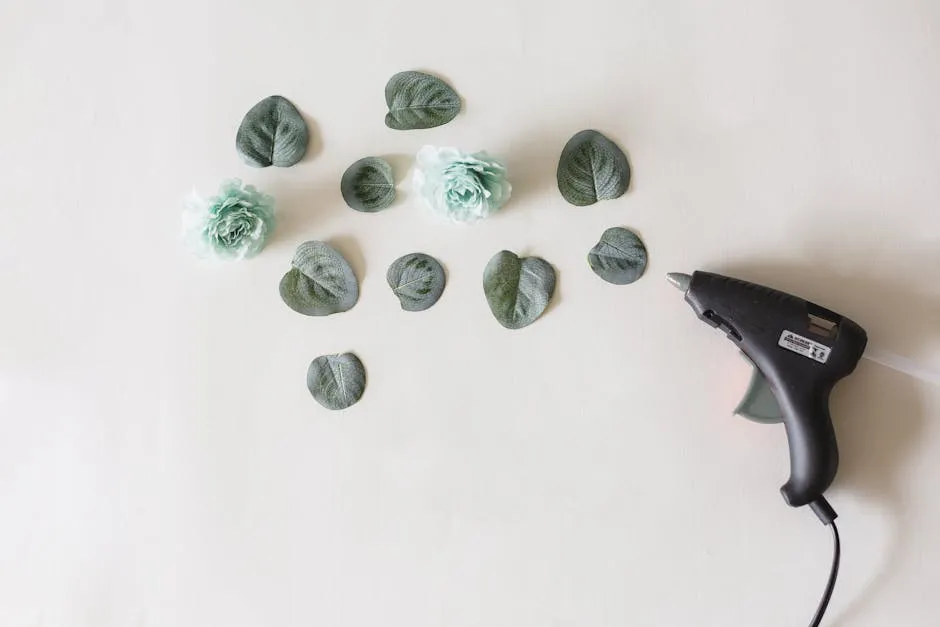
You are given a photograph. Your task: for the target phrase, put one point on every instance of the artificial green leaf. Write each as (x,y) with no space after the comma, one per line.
(592,168)
(417,280)
(336,381)
(320,283)
(419,100)
(368,185)
(518,290)
(620,256)
(272,133)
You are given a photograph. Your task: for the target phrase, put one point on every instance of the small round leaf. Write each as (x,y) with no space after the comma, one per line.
(418,281)
(336,381)
(592,168)
(321,281)
(272,133)
(518,290)
(620,257)
(419,100)
(368,185)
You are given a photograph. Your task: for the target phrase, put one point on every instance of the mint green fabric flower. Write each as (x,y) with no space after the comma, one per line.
(462,187)
(233,225)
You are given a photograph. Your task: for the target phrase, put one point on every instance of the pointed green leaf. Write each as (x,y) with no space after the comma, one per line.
(320,283)
(272,133)
(336,381)
(368,185)
(417,280)
(518,290)
(592,168)
(419,100)
(620,257)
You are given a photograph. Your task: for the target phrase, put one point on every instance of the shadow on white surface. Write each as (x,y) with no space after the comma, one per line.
(879,418)
(315,143)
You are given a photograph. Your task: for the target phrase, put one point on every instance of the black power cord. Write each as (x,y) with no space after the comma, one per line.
(827,515)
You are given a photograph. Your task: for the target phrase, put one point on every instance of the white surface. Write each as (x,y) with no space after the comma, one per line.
(162,463)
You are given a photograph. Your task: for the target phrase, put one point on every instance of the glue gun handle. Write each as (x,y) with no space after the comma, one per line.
(814,454)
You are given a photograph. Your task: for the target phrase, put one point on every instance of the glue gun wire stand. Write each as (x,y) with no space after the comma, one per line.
(799,351)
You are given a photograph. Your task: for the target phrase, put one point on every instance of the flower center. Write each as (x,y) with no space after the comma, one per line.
(232,232)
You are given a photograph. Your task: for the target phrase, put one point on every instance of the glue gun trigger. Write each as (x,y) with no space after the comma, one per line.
(759,403)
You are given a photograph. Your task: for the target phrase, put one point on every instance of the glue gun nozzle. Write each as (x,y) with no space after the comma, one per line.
(679,280)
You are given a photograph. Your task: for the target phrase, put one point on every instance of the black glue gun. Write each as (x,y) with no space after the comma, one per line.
(799,351)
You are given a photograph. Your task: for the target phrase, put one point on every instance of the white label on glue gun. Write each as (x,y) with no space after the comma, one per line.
(804,346)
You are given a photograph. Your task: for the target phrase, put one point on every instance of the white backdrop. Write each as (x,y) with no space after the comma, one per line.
(163,465)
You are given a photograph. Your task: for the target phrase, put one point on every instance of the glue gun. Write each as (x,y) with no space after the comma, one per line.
(799,351)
